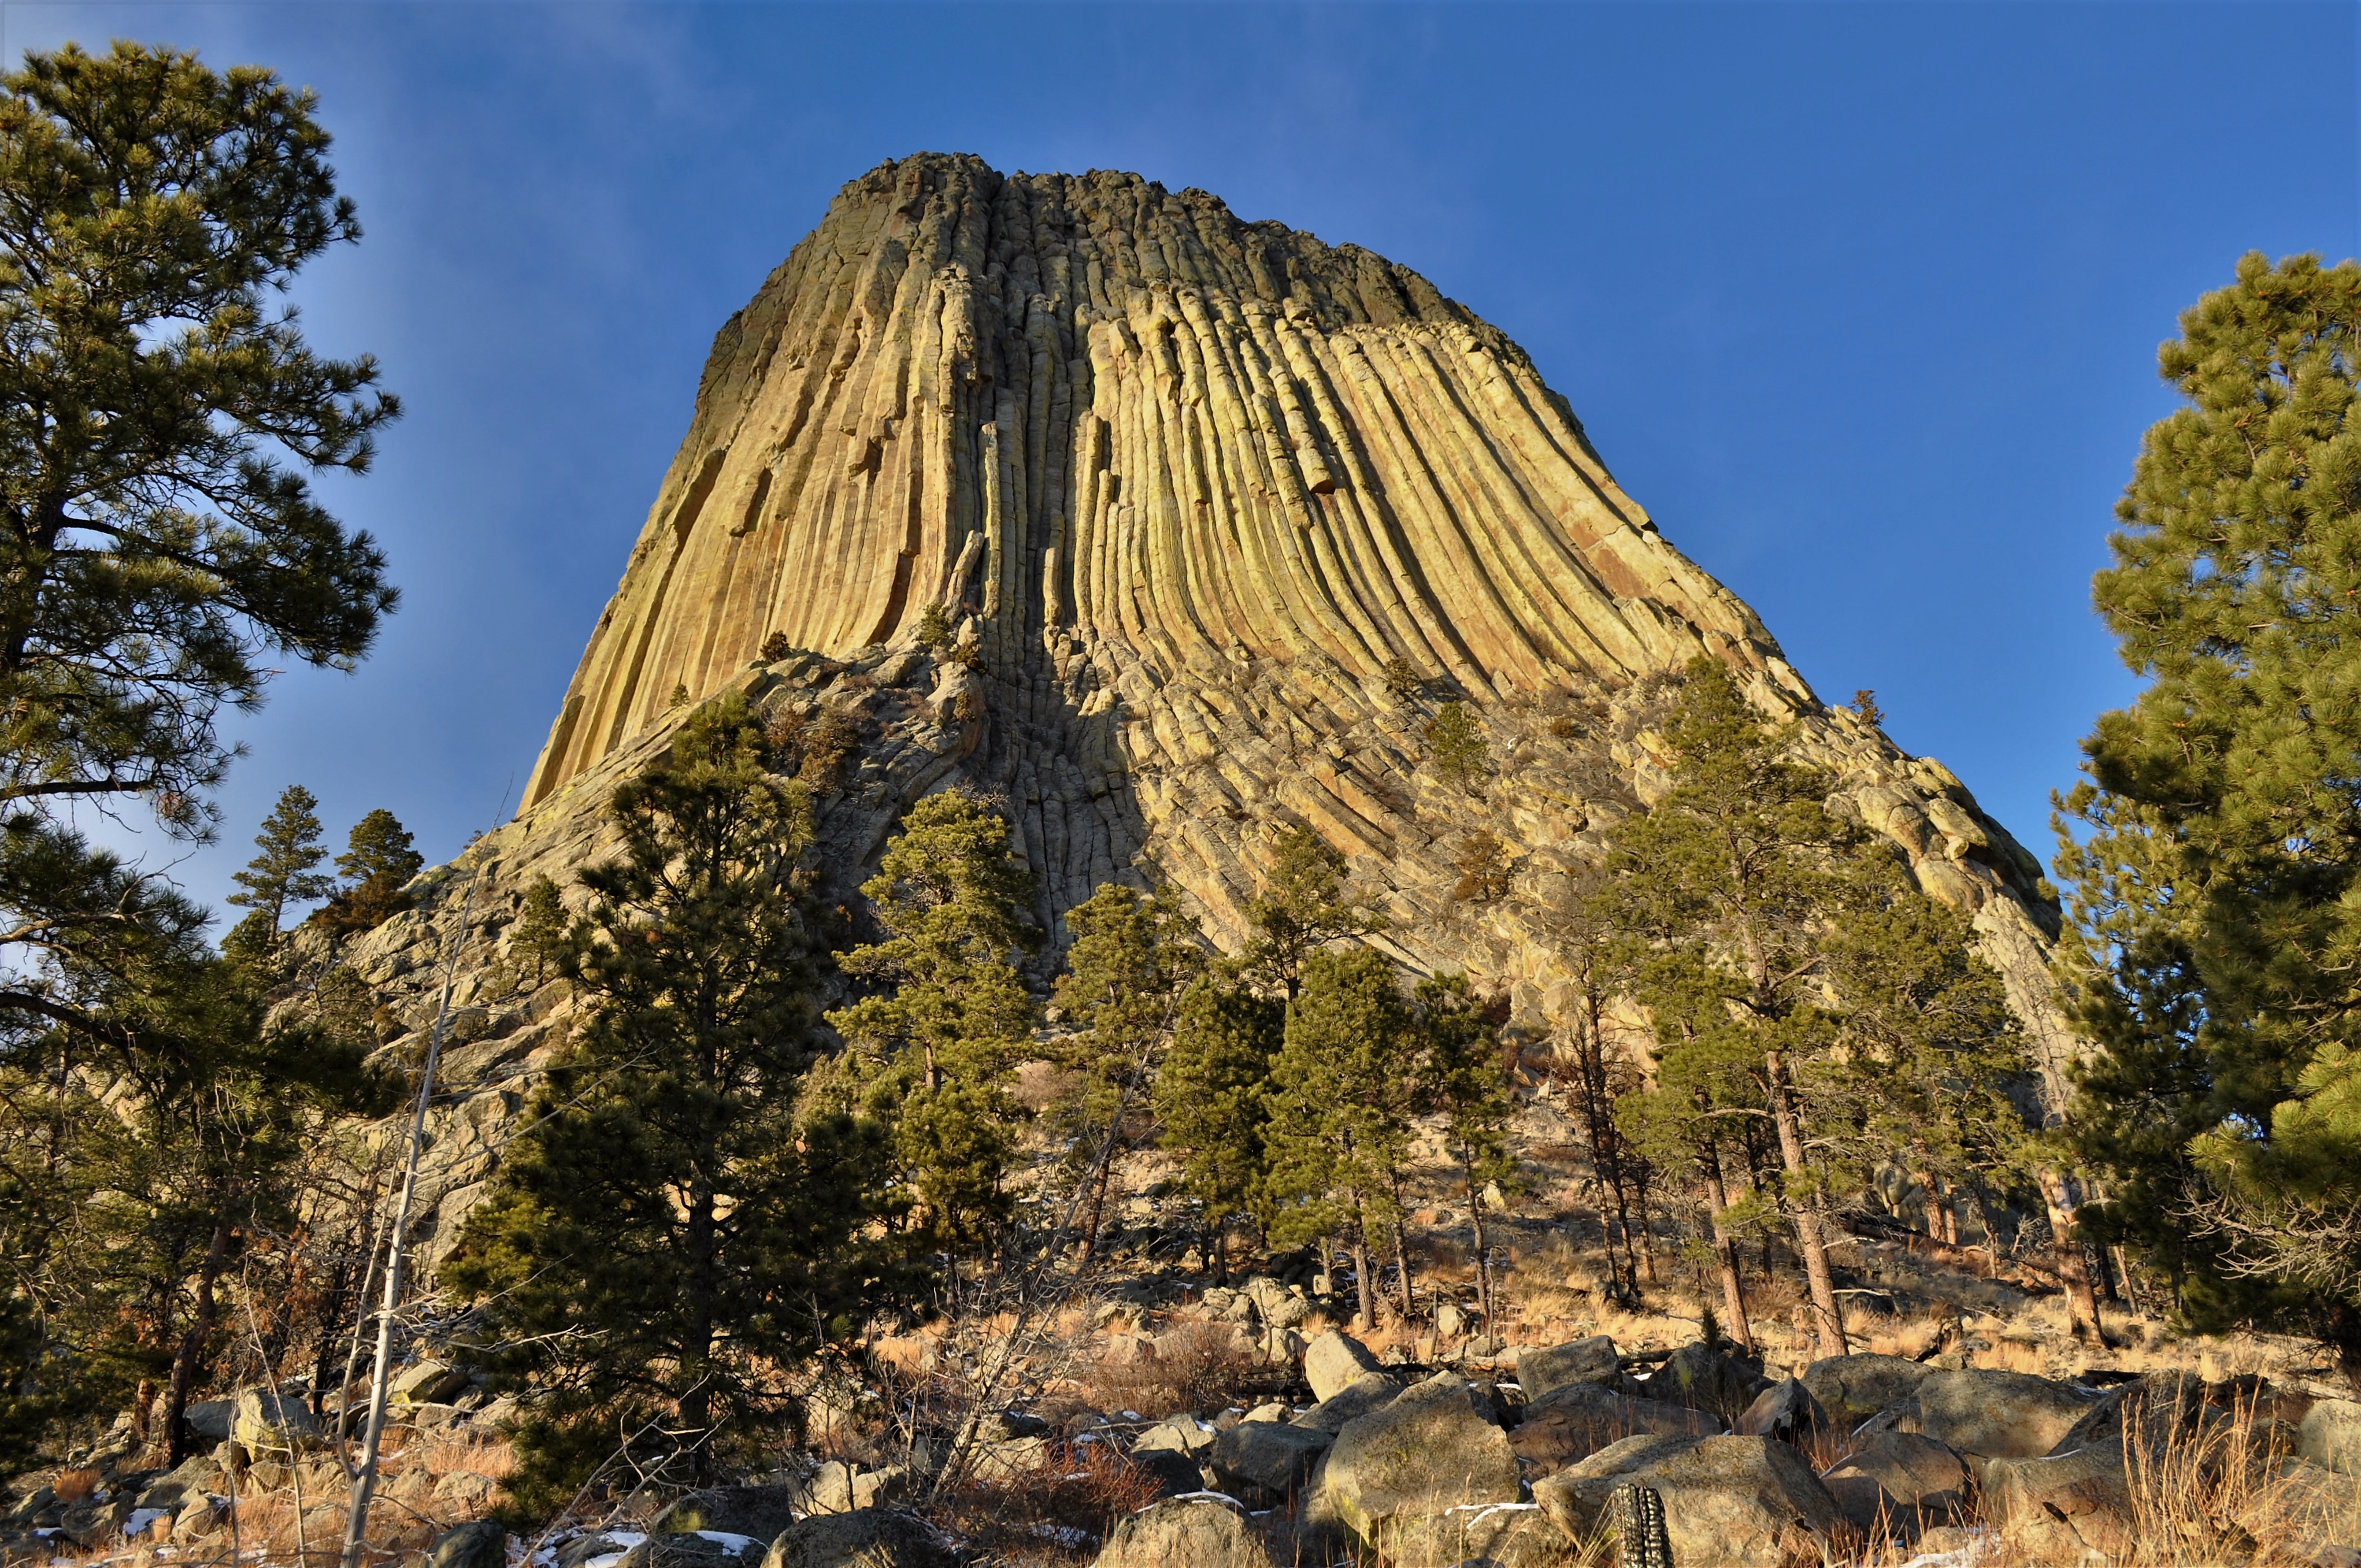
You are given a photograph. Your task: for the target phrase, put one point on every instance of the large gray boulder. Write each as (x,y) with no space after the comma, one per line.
(2063,1507)
(1729,1502)
(1786,1410)
(1269,1458)
(1498,1535)
(1335,1360)
(867,1538)
(1575,1420)
(1184,1532)
(1996,1415)
(266,1421)
(1433,1449)
(1544,1370)
(2331,1435)
(761,1512)
(1711,1377)
(1371,1392)
(480,1544)
(1893,1476)
(1852,1388)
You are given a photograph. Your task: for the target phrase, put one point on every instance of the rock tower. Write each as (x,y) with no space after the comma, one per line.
(1219,514)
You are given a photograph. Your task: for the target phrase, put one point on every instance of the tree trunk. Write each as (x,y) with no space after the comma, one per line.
(695,1400)
(192,1344)
(2066,1247)
(1402,1292)
(1483,1252)
(1725,1251)
(1810,1239)
(1366,1316)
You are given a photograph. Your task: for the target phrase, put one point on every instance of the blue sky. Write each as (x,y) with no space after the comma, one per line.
(1861,301)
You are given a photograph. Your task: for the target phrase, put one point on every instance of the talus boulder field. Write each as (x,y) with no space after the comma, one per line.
(1217,515)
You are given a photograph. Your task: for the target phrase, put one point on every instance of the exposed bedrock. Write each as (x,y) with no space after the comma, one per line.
(1224,512)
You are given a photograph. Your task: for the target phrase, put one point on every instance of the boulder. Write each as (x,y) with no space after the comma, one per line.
(1711,1377)
(1173,1472)
(1268,1458)
(2060,1506)
(1851,1389)
(1728,1502)
(1998,1415)
(210,1418)
(693,1549)
(1333,1360)
(266,1420)
(1432,1448)
(1184,1532)
(867,1538)
(1786,1410)
(1010,1460)
(1495,1535)
(2331,1435)
(428,1383)
(837,1487)
(1892,1474)
(464,1493)
(1592,1360)
(1575,1420)
(757,1511)
(482,1544)
(1178,1434)
(1371,1392)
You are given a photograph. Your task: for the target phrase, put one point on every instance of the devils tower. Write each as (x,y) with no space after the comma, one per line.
(1218,514)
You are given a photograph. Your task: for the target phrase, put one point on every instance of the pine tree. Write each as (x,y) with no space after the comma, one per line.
(1132,959)
(543,932)
(1211,1107)
(942,1041)
(2212,885)
(1455,742)
(379,861)
(1342,1092)
(158,543)
(1465,1082)
(670,1236)
(283,873)
(1302,908)
(1729,880)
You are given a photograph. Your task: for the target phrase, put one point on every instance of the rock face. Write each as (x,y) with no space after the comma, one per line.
(1219,514)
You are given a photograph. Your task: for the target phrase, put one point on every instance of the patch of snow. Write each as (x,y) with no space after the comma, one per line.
(736,1545)
(1200,1497)
(1131,1415)
(1066,1535)
(136,1525)
(1967,1556)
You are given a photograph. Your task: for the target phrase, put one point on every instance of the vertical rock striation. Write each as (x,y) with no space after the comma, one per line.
(1221,513)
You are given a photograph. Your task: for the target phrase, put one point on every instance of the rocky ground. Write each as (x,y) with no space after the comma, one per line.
(1162,1420)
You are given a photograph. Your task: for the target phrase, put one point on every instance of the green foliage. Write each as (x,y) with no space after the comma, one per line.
(155,542)
(1342,1094)
(544,935)
(2212,888)
(1302,908)
(1454,741)
(1132,959)
(776,647)
(673,1233)
(1210,1100)
(1402,680)
(1465,1082)
(941,1042)
(378,863)
(934,628)
(1795,981)
(285,871)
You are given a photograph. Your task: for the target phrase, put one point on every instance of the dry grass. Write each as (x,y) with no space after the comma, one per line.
(73,1485)
(1056,1517)
(1191,1368)
(444,1457)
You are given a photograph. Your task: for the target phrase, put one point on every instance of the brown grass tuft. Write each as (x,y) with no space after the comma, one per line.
(1191,1367)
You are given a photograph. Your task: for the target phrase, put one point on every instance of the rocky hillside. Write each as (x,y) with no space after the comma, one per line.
(1219,515)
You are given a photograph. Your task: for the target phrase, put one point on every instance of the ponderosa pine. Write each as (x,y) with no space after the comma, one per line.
(2213,854)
